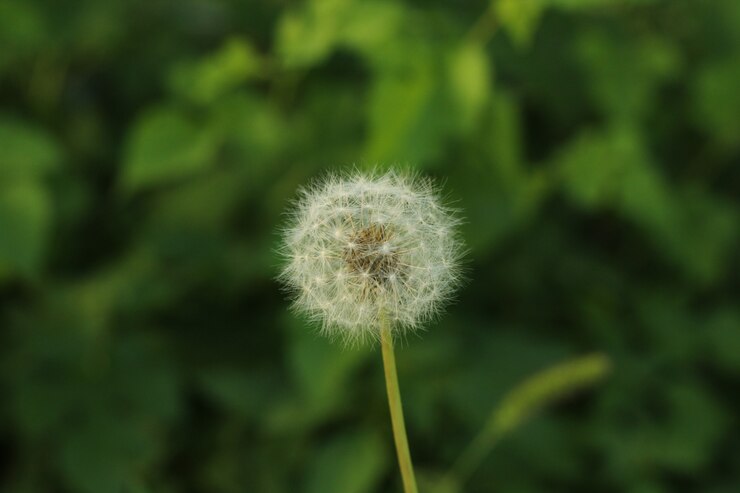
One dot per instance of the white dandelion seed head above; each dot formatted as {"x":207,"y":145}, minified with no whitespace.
{"x":361,"y":249}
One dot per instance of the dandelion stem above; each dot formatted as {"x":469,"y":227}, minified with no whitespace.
{"x":394,"y":402}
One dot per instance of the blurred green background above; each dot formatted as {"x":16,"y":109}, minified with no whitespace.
{"x":149,"y":148}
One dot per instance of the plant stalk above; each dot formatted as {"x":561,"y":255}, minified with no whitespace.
{"x":394,"y":402}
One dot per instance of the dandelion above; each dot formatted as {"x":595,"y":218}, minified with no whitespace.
{"x":367,"y":250}
{"x":372,"y":256}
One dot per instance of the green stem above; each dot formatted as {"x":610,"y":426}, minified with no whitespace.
{"x":472,"y":457}
{"x":394,"y":402}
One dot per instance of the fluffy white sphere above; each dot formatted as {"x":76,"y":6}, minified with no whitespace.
{"x":366,"y":249}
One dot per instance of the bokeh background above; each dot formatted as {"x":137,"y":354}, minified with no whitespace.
{"x":149,"y":148}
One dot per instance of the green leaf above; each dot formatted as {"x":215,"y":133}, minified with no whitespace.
{"x":306,"y":36}
{"x":25,"y":218}
{"x":321,"y":369}
{"x":520,"y":18}
{"x":253,"y":130}
{"x":350,"y":463}
{"x":370,"y":26}
{"x":626,"y":73}
{"x":544,"y":388}
{"x":101,"y":455}
{"x":612,"y":170}
{"x":408,"y":107}
{"x":502,"y":192}
{"x":722,"y":341}
{"x":203,"y":81}
{"x":684,"y":437}
{"x":22,"y":30}
{"x":27,"y":151}
{"x":164,"y":146}
{"x":322,"y":373}
{"x":497,"y":361}
{"x":525,"y":400}
{"x":470,"y":81}
{"x":236,"y":391}
{"x":590,"y":4}
{"x":703,"y":236}
{"x":717,"y":110}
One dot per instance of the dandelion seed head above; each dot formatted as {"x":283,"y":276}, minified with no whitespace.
{"x":363,"y":248}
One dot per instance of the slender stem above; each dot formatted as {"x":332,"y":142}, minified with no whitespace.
{"x":394,"y":402}
{"x":472,"y":457}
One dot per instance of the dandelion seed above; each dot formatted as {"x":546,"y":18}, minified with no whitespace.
{"x":371,"y":248}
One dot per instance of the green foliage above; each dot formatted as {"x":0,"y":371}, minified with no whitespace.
{"x":714,"y":110}
{"x":520,"y":405}
{"x":166,"y":145}
{"x":543,"y":388}
{"x":29,"y":154}
{"x":350,"y":463}
{"x":203,"y":81}
{"x":149,"y":149}
{"x":24,"y":221}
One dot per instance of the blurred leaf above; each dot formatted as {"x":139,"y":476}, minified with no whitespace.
{"x":28,"y":154}
{"x":42,"y":400}
{"x":100,"y":456}
{"x":128,"y":284}
{"x":500,"y":191}
{"x":497,"y":361}
{"x":626,"y":73}
{"x":520,"y":17}
{"x":668,"y":323}
{"x":163,"y":146}
{"x":205,"y":80}
{"x":542,"y":389}
{"x":203,"y":206}
{"x":591,"y":144}
{"x":545,"y":447}
{"x":703,"y":235}
{"x":695,"y":424}
{"x":437,"y":483}
{"x":648,"y":487}
{"x":722,"y":330}
{"x":350,"y":463}
{"x":505,"y":144}
{"x":27,"y":151}
{"x":237,"y":391}
{"x":371,"y":26}
{"x":25,"y":219}
{"x":680,"y":436}
{"x":254,"y":131}
{"x":22,"y":30}
{"x":524,"y":401}
{"x":613,"y":169}
{"x":322,"y":369}
{"x":470,"y":80}
{"x":407,"y":108}
{"x":106,"y":409}
{"x":306,"y":36}
{"x":717,"y":103}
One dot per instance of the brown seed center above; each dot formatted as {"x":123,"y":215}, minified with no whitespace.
{"x":369,"y":254}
